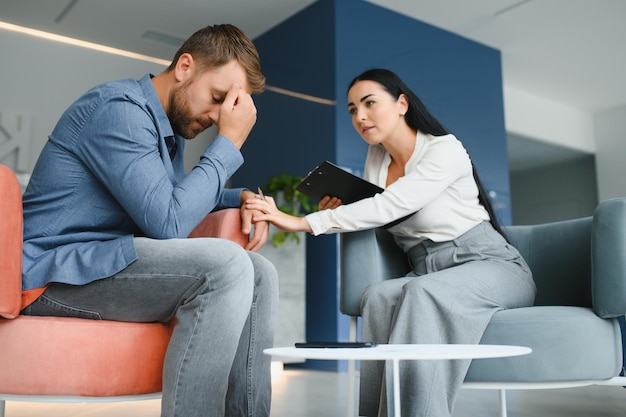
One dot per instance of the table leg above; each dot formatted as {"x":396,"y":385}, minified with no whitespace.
{"x":396,"y":388}
{"x":350,"y":405}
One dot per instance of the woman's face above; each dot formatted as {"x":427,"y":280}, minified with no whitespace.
{"x":376,"y":115}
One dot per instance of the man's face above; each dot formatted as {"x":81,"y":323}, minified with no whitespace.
{"x":195,"y":105}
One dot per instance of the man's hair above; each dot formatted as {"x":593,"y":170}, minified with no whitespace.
{"x":214,"y":46}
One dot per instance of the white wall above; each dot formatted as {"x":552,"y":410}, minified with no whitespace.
{"x":603,"y":134}
{"x":610,"y":133}
{"x":40,"y":78}
{"x":535,"y":117}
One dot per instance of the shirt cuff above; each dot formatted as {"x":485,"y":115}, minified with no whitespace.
{"x":316,"y":221}
{"x":231,"y":197}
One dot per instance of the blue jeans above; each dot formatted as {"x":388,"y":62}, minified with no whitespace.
{"x":224,"y":299}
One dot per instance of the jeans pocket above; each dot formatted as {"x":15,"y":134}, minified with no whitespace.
{"x":45,"y":306}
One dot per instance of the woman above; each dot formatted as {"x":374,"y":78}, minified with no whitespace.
{"x":464,"y":270}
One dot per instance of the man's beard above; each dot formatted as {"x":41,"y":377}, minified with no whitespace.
{"x":182,"y":121}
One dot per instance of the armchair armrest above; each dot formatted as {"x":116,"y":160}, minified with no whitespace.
{"x":608,"y":258}
{"x":11,"y":229}
{"x":367,"y":257}
{"x":225,"y":224}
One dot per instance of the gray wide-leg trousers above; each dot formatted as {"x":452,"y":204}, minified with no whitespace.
{"x":450,"y":296}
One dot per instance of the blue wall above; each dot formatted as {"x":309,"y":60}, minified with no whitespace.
{"x":459,"y":80}
{"x":317,"y":52}
{"x":291,"y":134}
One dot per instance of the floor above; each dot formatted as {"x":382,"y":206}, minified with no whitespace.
{"x":306,"y":393}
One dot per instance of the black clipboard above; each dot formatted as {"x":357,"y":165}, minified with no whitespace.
{"x":328,"y":179}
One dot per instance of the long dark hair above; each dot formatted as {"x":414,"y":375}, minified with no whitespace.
{"x":420,"y":119}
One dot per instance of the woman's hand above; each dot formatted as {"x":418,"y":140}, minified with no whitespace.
{"x":248,"y":224}
{"x":329,"y":202}
{"x":266,"y":210}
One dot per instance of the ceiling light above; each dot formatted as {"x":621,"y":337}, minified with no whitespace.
{"x":128,"y":54}
{"x":82,"y":44}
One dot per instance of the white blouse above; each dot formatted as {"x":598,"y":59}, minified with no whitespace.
{"x":438,"y":182}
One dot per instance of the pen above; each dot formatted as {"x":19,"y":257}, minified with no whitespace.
{"x":261,"y":193}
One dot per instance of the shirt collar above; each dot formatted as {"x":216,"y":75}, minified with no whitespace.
{"x":154,"y":104}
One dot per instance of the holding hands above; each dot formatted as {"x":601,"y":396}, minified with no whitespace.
{"x":248,"y":223}
{"x":266,"y":210}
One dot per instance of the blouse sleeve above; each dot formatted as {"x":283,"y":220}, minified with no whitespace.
{"x":430,"y":171}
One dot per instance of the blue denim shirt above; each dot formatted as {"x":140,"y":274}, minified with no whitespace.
{"x":105,"y":175}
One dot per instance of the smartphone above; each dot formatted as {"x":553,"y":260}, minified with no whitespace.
{"x":335,"y":344}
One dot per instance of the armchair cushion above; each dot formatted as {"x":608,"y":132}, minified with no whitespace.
{"x":568,"y":343}
{"x":70,"y":356}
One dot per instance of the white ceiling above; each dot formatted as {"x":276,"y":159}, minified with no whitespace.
{"x":568,"y":51}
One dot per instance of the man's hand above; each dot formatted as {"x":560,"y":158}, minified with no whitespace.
{"x":237,"y":116}
{"x":261,"y":228}
{"x":266,"y":210}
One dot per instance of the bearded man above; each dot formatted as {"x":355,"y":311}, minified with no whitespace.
{"x":109,"y":205}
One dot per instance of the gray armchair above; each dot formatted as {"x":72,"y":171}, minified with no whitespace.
{"x":579,"y":267}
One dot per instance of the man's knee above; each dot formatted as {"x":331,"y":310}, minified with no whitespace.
{"x":265,"y":274}
{"x":221,"y":262}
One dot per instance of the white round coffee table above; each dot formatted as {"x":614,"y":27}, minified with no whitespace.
{"x":396,"y":353}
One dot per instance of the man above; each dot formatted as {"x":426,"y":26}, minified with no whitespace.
{"x":109,"y":205}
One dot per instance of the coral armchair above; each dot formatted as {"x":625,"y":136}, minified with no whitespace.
{"x":71,"y":359}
